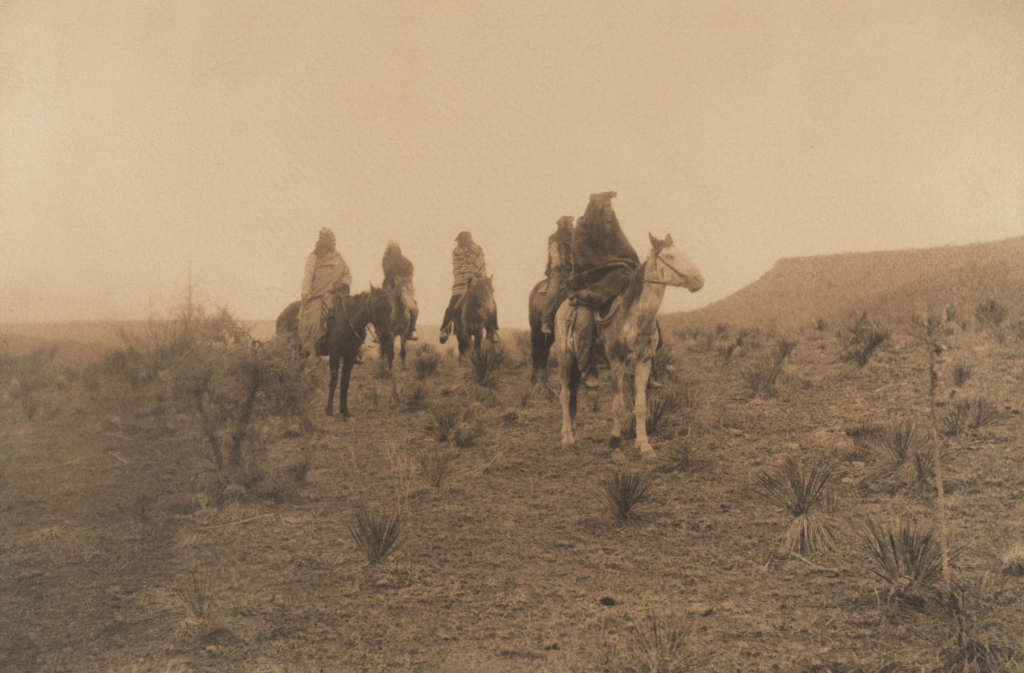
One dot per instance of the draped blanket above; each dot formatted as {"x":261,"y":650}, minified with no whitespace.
{"x":603,"y":261}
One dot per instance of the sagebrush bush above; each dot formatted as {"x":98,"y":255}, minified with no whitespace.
{"x":426,"y":362}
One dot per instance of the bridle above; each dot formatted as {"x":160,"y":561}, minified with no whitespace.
{"x":352,"y":327}
{"x":657,"y":258}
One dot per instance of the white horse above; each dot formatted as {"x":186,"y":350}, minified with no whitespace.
{"x":630,"y":338}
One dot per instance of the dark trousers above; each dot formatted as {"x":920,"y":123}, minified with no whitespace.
{"x":449,"y":313}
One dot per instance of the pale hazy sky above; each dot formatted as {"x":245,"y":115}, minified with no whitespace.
{"x":137,"y":138}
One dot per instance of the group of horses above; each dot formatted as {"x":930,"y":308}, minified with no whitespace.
{"x":628,"y":332}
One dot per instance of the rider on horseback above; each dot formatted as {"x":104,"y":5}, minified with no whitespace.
{"x":467,"y":262}
{"x":559,"y":266}
{"x":327,"y":281}
{"x":603,"y":262}
{"x":398,"y":276}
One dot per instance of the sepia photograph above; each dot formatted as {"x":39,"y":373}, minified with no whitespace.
{"x":569,"y":336}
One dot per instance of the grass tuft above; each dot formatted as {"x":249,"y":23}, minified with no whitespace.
{"x":900,"y":440}
{"x":762,"y":378}
{"x":624,"y":492}
{"x":1013,"y":560}
{"x":376,"y":533}
{"x":969,"y":414}
{"x":483,"y":366}
{"x":435,"y":464}
{"x":657,"y":645}
{"x":453,"y":424}
{"x":961,"y":372}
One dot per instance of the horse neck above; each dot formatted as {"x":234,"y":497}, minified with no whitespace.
{"x":646,"y":298}
{"x":358,"y":310}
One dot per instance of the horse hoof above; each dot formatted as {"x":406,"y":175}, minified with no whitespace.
{"x":328,"y":412}
{"x":614,"y":442}
{"x":618,"y":456}
{"x":568,"y":446}
{"x":647,"y":453}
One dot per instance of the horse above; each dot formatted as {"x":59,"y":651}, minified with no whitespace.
{"x":403,"y":310}
{"x":630,"y":338}
{"x":540,"y":343}
{"x":346,"y":334}
{"x":476,"y":310}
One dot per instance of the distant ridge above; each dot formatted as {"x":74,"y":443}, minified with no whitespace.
{"x":889,"y":285}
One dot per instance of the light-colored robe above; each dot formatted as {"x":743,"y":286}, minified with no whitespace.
{"x":324,"y":275}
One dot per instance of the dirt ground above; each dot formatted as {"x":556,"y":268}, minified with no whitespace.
{"x":512,"y":564}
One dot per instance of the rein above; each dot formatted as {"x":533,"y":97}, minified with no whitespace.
{"x":352,"y":327}
{"x":657,"y":258}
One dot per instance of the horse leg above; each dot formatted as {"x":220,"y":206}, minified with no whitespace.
{"x":619,"y":411}
{"x":401,"y":352}
{"x":346,"y":375}
{"x":640,"y":376}
{"x":540,"y":350}
{"x":569,"y":372}
{"x":332,"y":382}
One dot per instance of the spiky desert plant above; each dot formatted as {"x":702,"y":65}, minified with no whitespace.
{"x":961,"y":372}
{"x":1013,"y":560}
{"x":435,"y":464}
{"x":860,"y":340}
{"x":662,"y":408}
{"x":990,"y":313}
{"x":376,"y":533}
{"x":657,"y":645}
{"x":971,"y":646}
{"x":484,"y":366}
{"x":411,"y":397}
{"x":803,"y":494}
{"x":762,"y":378}
{"x":725,"y":351}
{"x":454,"y":424}
{"x":969,"y":414}
{"x":664,"y":363}
{"x":864,"y":435}
{"x":820,"y":324}
{"x":624,"y":492}
{"x":900,"y":439}
{"x":426,"y":362}
{"x":907,"y":556}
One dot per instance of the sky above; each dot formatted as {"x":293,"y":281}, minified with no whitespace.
{"x":146,"y":143}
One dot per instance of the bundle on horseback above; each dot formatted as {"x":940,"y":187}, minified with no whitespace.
{"x":404,"y":309}
{"x":471,"y":310}
{"x":614,"y":299}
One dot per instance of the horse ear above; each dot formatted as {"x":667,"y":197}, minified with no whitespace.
{"x":668,"y":239}
{"x":655,"y":243}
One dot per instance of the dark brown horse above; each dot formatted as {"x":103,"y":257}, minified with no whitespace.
{"x":476,"y":311}
{"x":346,"y":333}
{"x":540,"y":343}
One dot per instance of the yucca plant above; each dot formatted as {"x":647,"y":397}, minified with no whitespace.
{"x":900,"y":439}
{"x":762,"y":378}
{"x":803,"y":494}
{"x":411,"y":397}
{"x":426,"y":362}
{"x":971,"y":647}
{"x":435,"y":465}
{"x":376,"y":533}
{"x":908,"y":557}
{"x":657,"y":645}
{"x":860,"y":340}
{"x":484,"y":366}
{"x":624,"y":492}
{"x":969,"y":414}
{"x":961,"y":372}
{"x":662,"y":408}
{"x":452,"y":424}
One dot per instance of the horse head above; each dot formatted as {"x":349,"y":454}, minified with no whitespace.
{"x":670,"y":265}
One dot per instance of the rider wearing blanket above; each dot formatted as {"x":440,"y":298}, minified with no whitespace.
{"x":398,"y":280}
{"x":467,"y":262}
{"x":603,"y":262}
{"x":326,"y":280}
